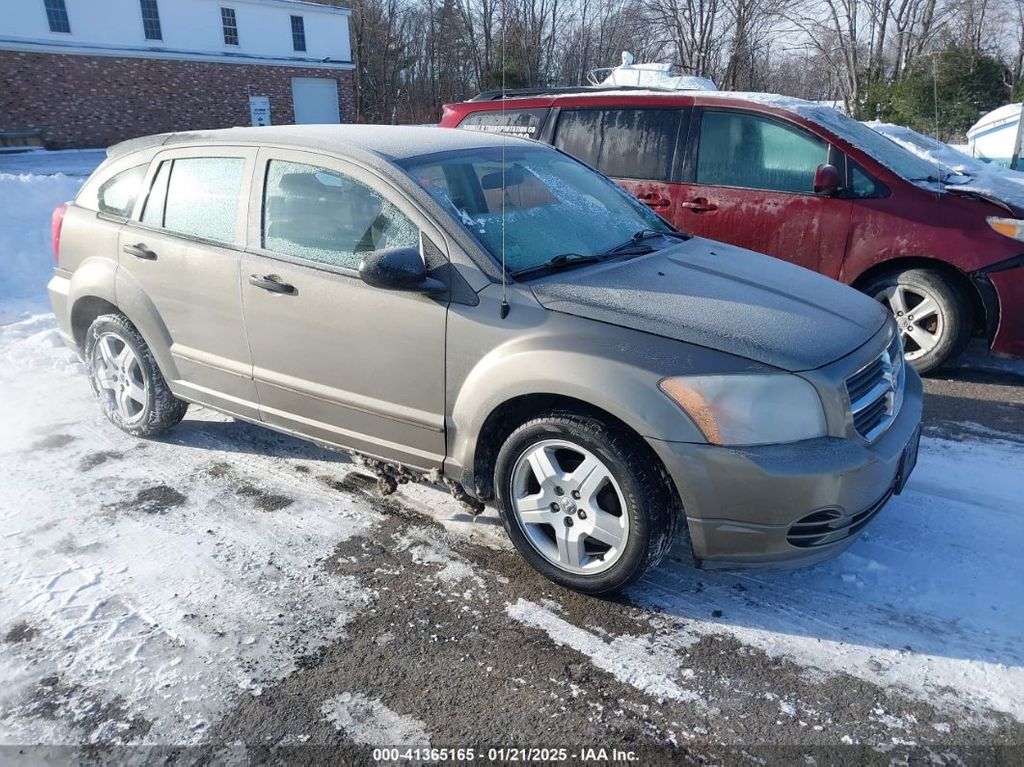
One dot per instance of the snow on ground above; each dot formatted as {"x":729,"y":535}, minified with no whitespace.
{"x":371,"y":723}
{"x":164,"y":603}
{"x":148,"y":584}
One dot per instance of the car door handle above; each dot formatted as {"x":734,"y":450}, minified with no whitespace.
{"x":652,"y":200}
{"x":139,"y":250}
{"x":699,"y":205}
{"x":272,"y":284}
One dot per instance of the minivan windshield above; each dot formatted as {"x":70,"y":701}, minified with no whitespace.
{"x":540,"y":206}
{"x":897,"y":159}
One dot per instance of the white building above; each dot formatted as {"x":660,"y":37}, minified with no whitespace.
{"x":91,"y":72}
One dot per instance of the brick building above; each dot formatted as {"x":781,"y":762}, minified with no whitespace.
{"x":89,"y":73}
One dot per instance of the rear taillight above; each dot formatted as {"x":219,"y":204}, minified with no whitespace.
{"x":55,"y":225}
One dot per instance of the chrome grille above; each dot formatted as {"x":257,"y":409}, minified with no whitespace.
{"x":876,"y":391}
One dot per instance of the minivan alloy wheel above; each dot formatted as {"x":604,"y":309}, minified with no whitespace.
{"x":569,"y":506}
{"x":919,"y":316}
{"x":119,"y":377}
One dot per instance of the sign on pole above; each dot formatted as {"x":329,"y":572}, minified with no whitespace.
{"x":259,"y":110}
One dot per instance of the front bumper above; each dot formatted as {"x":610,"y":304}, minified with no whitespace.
{"x":1007,"y":279}
{"x":741,"y":504}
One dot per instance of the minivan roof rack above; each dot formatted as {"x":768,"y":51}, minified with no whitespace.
{"x":509,"y":93}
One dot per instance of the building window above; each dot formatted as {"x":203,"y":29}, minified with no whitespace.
{"x":227,"y":18}
{"x":298,"y":33}
{"x":57,"y":15}
{"x":151,"y":20}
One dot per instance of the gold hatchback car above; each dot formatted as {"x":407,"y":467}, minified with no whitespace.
{"x":493,"y":310}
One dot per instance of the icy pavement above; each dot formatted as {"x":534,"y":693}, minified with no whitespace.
{"x":226,"y":583}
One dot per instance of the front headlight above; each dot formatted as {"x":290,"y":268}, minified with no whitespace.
{"x":1008,"y":227}
{"x":749,"y":409}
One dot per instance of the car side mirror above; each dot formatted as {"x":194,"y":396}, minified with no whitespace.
{"x":398,"y":269}
{"x":827,"y":180}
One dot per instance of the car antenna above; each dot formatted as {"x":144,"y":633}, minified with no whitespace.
{"x":504,"y":191}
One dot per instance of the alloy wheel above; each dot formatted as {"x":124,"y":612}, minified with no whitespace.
{"x":918,"y":315}
{"x":569,"y":506}
{"x":119,"y":377}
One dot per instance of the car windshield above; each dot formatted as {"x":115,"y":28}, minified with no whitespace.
{"x":897,"y":159}
{"x":536,"y":204}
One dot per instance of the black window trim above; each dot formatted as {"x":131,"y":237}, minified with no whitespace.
{"x":693,"y":147}
{"x":151,"y":20}
{"x":57,"y":18}
{"x":675,"y":167}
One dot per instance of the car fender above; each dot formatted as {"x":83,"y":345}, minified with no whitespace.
{"x":615,"y":384}
{"x":137,"y":306}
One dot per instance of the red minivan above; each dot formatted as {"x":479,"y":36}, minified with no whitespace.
{"x":801,"y":182}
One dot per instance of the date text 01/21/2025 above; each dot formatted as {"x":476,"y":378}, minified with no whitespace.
{"x":502,"y":754}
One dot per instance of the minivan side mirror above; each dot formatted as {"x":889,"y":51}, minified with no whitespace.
{"x":827,"y":180}
{"x":398,"y":269}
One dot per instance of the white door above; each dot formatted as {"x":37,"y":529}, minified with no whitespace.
{"x":315,"y":100}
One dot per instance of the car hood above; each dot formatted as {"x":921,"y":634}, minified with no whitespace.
{"x":723,"y":298}
{"x":995,"y":186}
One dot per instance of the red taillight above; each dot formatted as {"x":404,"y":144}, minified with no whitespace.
{"x":55,"y":225}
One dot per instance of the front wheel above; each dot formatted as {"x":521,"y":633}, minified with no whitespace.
{"x":126,"y":380}
{"x":583,"y":502}
{"x":931,"y":311}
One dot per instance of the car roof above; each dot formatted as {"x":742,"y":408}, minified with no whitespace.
{"x":388,"y":142}
{"x":493,"y":99}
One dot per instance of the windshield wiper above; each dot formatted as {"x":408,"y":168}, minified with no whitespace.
{"x":635,"y":244}
{"x":557,"y":264}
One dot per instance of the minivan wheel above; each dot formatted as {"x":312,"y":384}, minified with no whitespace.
{"x":125,"y":378}
{"x":583,"y":502}
{"x":932,"y":313}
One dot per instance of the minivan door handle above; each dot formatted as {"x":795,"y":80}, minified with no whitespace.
{"x":140,"y":250}
{"x":654,"y":200}
{"x":272,"y":284}
{"x":699,"y":205}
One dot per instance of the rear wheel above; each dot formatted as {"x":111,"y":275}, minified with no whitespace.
{"x":583,"y":502}
{"x":126,"y":380}
{"x":931,"y":311}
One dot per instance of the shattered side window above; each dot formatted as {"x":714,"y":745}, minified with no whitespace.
{"x":324,"y":216}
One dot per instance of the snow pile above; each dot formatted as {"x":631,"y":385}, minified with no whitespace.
{"x":26,"y":204}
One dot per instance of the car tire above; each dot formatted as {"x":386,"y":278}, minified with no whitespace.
{"x":126,"y":380}
{"x":615,"y":517}
{"x":933,"y":339}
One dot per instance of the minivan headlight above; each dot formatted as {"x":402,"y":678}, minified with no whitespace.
{"x":749,"y":409}
{"x":1008,"y":227}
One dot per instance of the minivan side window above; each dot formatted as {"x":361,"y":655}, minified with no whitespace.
{"x":327,"y":217}
{"x":197,"y":197}
{"x":739,"y":149}
{"x":525,"y":123}
{"x":621,"y":143}
{"x":116,"y":195}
